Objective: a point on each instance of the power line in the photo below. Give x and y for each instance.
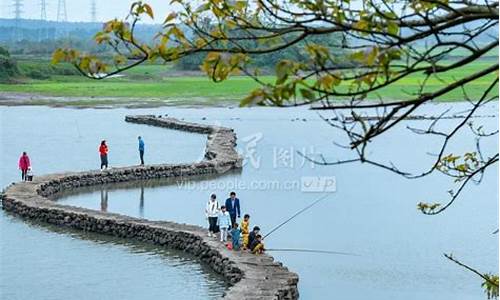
(313, 251)
(62, 14)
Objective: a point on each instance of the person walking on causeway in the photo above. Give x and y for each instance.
(24, 165)
(141, 150)
(103, 151)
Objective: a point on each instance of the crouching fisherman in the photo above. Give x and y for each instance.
(252, 235)
(257, 246)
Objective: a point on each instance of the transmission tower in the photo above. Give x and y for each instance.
(43, 32)
(43, 10)
(17, 5)
(93, 11)
(62, 15)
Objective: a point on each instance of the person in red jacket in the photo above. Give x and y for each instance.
(24, 164)
(103, 151)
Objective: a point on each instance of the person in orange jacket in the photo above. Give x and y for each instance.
(103, 151)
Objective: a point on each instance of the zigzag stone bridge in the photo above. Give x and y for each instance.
(250, 276)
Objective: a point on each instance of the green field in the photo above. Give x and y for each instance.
(158, 82)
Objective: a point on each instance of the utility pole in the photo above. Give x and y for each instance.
(93, 11)
(62, 15)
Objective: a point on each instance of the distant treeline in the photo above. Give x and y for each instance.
(32, 40)
(39, 39)
(36, 37)
(36, 30)
(296, 52)
(13, 69)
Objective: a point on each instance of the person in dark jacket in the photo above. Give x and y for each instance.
(233, 207)
(252, 235)
(141, 150)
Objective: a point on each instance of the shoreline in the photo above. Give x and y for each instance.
(31, 99)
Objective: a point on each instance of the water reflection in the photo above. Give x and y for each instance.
(143, 184)
(170, 267)
(135, 189)
(104, 200)
(105, 196)
(141, 202)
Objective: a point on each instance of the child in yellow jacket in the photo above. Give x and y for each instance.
(245, 224)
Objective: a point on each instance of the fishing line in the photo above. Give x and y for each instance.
(296, 214)
(312, 251)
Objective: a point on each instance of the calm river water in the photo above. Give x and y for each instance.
(372, 213)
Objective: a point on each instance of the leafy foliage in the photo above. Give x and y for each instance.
(8, 66)
(490, 286)
(4, 52)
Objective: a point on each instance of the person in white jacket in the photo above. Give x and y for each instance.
(212, 212)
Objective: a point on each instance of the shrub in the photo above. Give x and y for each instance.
(8, 66)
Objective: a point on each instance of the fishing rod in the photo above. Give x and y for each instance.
(312, 251)
(296, 214)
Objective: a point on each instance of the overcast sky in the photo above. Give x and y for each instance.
(79, 10)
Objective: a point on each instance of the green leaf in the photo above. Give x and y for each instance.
(203, 7)
(148, 10)
(58, 56)
(308, 94)
(392, 28)
(256, 97)
(170, 17)
(282, 71)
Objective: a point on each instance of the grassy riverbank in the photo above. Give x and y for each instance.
(159, 84)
